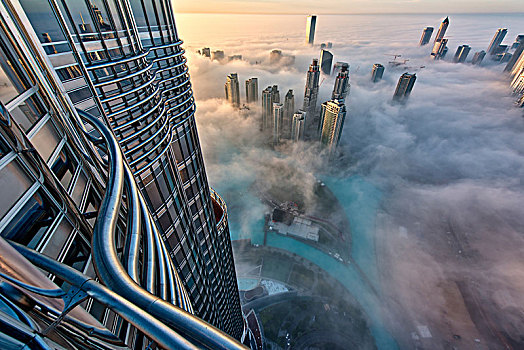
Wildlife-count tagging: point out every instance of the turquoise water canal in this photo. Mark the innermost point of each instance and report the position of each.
(360, 200)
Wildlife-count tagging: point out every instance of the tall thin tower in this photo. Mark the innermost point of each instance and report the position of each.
(310, 29)
(147, 101)
(426, 36)
(442, 29)
(311, 91)
(500, 34)
(342, 86)
(232, 90)
(332, 119)
(252, 90)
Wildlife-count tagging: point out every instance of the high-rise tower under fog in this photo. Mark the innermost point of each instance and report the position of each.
(310, 29)
(404, 86)
(461, 54)
(478, 57)
(232, 90)
(311, 91)
(332, 118)
(377, 72)
(341, 87)
(494, 45)
(298, 126)
(326, 60)
(442, 29)
(252, 90)
(426, 36)
(270, 95)
(439, 49)
(142, 211)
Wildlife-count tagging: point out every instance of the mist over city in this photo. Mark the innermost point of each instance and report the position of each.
(448, 163)
(261, 174)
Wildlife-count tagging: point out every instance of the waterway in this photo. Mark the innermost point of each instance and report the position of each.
(360, 200)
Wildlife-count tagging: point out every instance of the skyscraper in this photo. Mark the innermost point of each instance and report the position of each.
(331, 123)
(493, 47)
(518, 40)
(478, 57)
(298, 126)
(341, 87)
(377, 72)
(442, 30)
(515, 57)
(517, 80)
(252, 90)
(133, 76)
(278, 121)
(461, 54)
(232, 89)
(337, 67)
(217, 55)
(289, 109)
(426, 36)
(311, 91)
(136, 218)
(326, 60)
(310, 29)
(270, 95)
(404, 87)
(439, 49)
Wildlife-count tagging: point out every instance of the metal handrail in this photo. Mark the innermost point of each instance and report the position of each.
(112, 273)
(154, 329)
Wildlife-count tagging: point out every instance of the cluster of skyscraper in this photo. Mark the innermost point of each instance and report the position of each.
(496, 51)
(515, 68)
(217, 55)
(284, 121)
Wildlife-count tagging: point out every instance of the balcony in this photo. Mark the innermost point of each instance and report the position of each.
(220, 210)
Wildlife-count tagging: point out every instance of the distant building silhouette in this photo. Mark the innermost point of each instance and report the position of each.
(341, 87)
(478, 57)
(377, 72)
(439, 49)
(310, 29)
(517, 79)
(270, 95)
(252, 90)
(298, 126)
(289, 108)
(311, 91)
(326, 60)
(232, 90)
(278, 121)
(442, 29)
(337, 67)
(217, 55)
(426, 36)
(404, 87)
(494, 47)
(461, 54)
(515, 57)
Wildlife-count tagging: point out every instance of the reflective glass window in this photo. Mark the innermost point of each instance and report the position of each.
(13, 182)
(31, 221)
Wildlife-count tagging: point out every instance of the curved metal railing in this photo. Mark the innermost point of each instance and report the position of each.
(86, 287)
(112, 272)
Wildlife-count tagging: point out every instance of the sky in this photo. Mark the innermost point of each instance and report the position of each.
(347, 6)
(449, 163)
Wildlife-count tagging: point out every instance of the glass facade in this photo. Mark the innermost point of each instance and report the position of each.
(122, 61)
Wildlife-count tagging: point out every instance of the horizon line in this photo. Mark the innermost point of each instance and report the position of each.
(343, 14)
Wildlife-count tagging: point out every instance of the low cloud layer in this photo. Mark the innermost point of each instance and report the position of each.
(450, 162)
